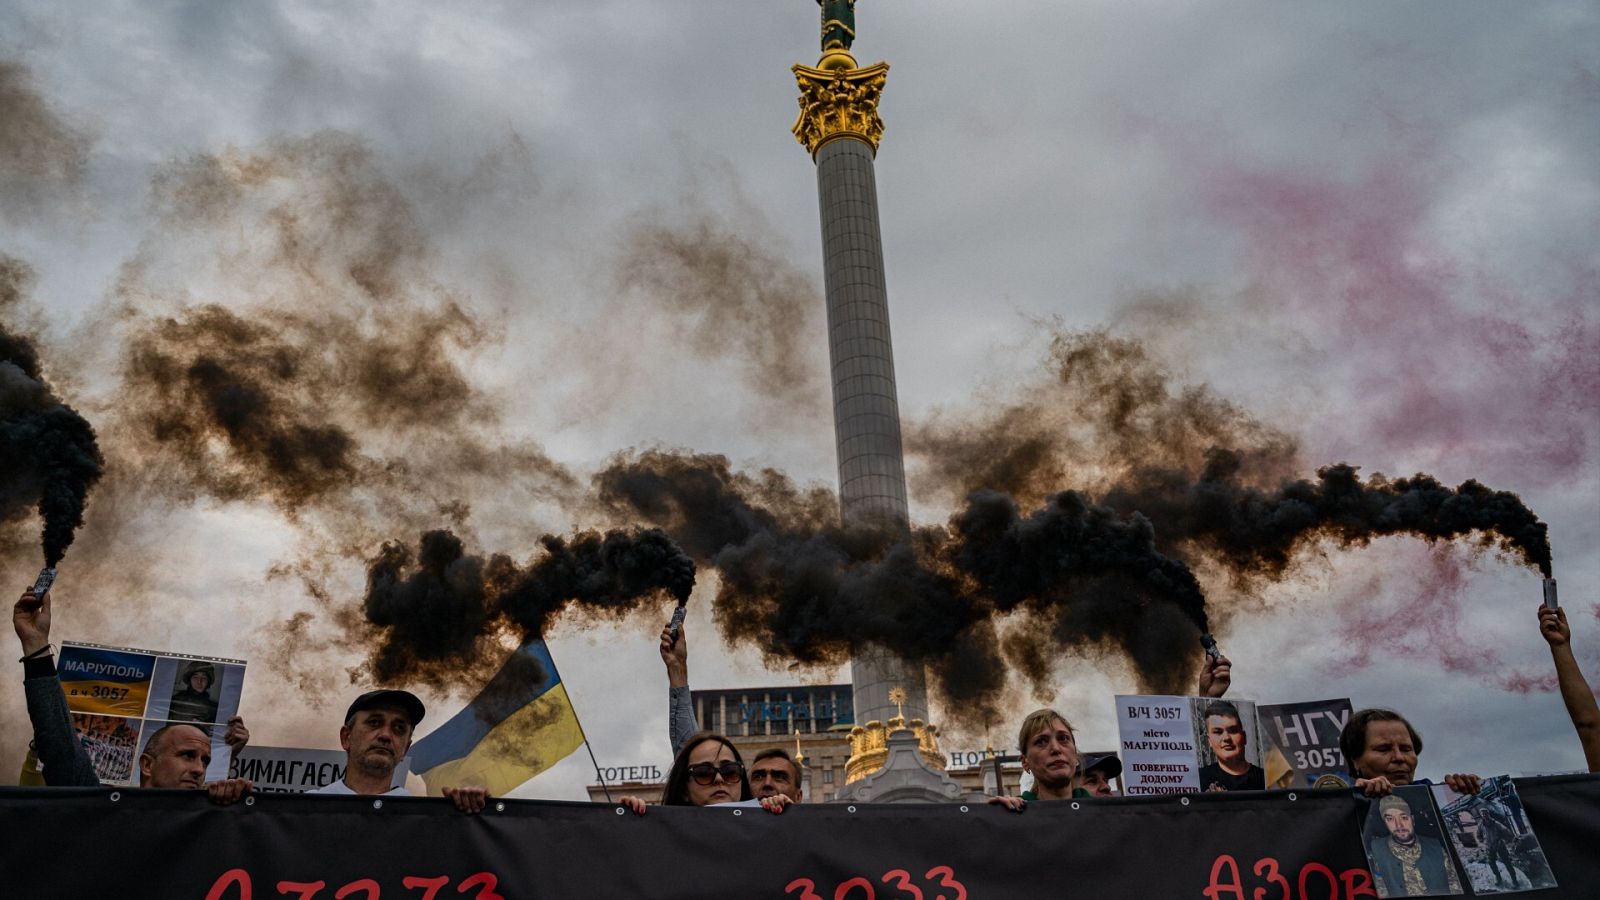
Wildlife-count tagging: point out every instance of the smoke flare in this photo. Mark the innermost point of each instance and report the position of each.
(438, 612)
(48, 452)
(1255, 532)
(804, 589)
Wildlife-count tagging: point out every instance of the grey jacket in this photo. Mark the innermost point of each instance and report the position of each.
(680, 717)
(54, 740)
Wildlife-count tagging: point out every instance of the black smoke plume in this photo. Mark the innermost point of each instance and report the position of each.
(1255, 532)
(440, 611)
(1103, 407)
(804, 589)
(222, 394)
(49, 458)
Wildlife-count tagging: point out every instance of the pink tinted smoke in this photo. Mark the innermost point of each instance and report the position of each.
(1449, 358)
(1427, 626)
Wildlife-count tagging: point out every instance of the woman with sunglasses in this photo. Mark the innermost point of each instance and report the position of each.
(708, 771)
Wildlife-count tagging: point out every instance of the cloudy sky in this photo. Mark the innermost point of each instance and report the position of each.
(1370, 227)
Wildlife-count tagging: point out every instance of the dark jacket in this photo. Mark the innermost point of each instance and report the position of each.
(66, 764)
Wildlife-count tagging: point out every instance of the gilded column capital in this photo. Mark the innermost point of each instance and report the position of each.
(837, 103)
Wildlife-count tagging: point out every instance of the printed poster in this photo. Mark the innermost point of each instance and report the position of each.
(1406, 848)
(1302, 744)
(1177, 745)
(1157, 735)
(1493, 839)
(120, 697)
(293, 770)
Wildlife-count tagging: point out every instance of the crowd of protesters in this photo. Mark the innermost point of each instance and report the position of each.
(1380, 746)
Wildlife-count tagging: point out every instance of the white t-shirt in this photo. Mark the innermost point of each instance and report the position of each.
(339, 787)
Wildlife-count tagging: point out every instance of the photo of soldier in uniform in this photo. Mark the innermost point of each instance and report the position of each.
(195, 693)
(1493, 838)
(1406, 848)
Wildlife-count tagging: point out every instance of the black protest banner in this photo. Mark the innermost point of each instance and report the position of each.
(1241, 846)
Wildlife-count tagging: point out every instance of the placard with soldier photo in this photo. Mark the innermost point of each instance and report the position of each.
(1493, 838)
(1406, 848)
(119, 697)
(195, 689)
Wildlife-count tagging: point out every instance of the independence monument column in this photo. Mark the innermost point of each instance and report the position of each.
(839, 124)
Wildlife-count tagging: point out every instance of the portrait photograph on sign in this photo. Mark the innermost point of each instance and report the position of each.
(1406, 848)
(1227, 745)
(1493, 838)
(195, 689)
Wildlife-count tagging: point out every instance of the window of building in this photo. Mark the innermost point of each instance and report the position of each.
(827, 776)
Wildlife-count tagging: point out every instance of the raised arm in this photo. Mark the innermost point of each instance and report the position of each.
(65, 762)
(680, 704)
(1575, 692)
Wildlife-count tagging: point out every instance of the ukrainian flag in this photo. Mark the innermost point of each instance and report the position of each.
(520, 724)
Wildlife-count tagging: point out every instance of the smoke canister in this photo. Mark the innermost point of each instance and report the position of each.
(1550, 601)
(677, 620)
(1210, 643)
(47, 577)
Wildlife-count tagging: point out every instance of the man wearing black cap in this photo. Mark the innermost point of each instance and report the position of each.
(377, 733)
(375, 737)
(1098, 772)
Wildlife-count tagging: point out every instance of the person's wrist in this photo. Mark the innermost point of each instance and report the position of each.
(34, 646)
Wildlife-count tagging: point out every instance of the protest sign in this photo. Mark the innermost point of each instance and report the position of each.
(120, 697)
(1173, 745)
(1302, 744)
(293, 770)
(1158, 745)
(100, 680)
(1493, 839)
(1406, 847)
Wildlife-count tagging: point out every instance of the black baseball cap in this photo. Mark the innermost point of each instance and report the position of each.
(406, 700)
(1107, 763)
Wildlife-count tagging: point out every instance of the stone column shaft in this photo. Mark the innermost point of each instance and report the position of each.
(866, 408)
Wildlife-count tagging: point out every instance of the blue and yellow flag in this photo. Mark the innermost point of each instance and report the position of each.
(520, 724)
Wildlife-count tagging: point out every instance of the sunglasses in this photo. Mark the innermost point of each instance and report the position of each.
(706, 773)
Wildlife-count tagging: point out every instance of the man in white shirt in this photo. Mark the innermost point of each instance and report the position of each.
(376, 736)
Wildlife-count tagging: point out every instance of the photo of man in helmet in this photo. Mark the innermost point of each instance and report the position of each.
(194, 695)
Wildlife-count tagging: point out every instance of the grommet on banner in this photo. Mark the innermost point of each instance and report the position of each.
(620, 810)
(501, 807)
(1293, 797)
(249, 801)
(1184, 800)
(1075, 804)
(963, 809)
(115, 796)
(850, 808)
(377, 804)
(738, 812)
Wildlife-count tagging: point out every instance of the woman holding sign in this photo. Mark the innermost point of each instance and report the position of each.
(1381, 748)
